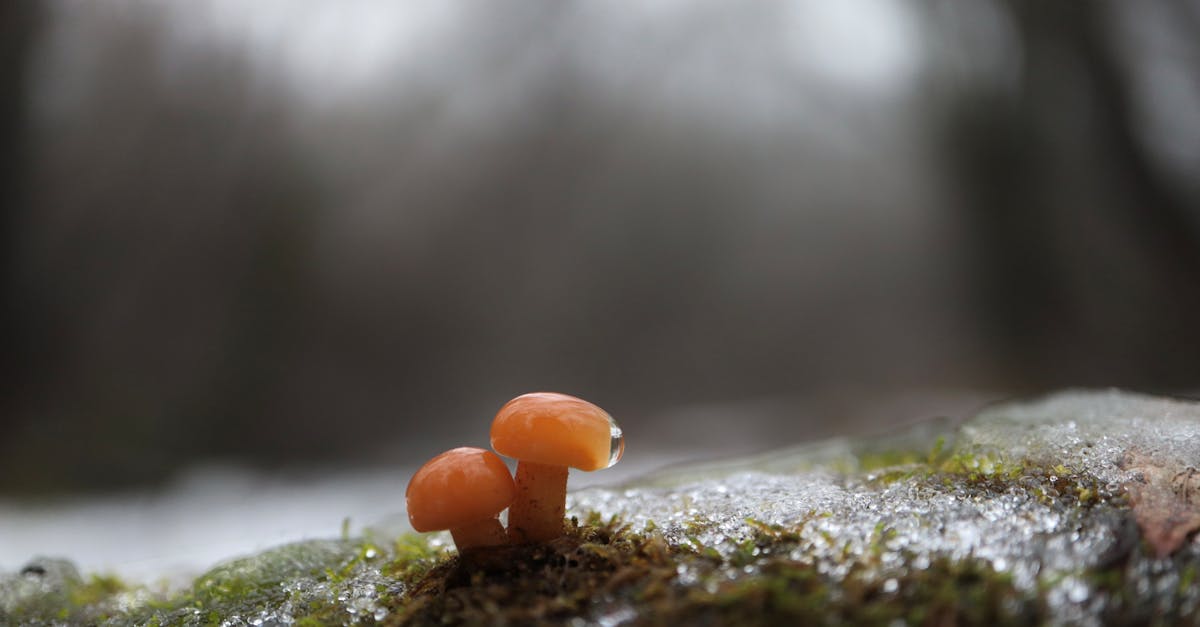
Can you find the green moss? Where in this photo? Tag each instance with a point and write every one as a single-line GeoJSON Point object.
{"type": "Point", "coordinates": [96, 589]}
{"type": "Point", "coordinates": [54, 592]}
{"type": "Point", "coordinates": [785, 592]}
{"type": "Point", "coordinates": [868, 462]}
{"type": "Point", "coordinates": [985, 469]}
{"type": "Point", "coordinates": [1128, 605]}
{"type": "Point", "coordinates": [603, 569]}
{"type": "Point", "coordinates": [609, 570]}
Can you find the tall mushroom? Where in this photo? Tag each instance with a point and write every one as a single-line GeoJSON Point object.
{"type": "Point", "coordinates": [463, 490]}
{"type": "Point", "coordinates": [548, 433]}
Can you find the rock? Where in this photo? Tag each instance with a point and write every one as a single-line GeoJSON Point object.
{"type": "Point", "coordinates": [1038, 491]}
{"type": "Point", "coordinates": [1075, 508]}
{"type": "Point", "coordinates": [41, 587]}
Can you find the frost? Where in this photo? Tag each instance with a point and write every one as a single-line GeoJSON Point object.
{"type": "Point", "coordinates": [1052, 497]}
{"type": "Point", "coordinates": [1038, 490]}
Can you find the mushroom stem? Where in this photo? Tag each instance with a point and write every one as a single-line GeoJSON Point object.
{"type": "Point", "coordinates": [537, 513]}
{"type": "Point", "coordinates": [487, 532]}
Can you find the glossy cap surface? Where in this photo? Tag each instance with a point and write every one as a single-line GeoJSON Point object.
{"type": "Point", "coordinates": [458, 487]}
{"type": "Point", "coordinates": [558, 430]}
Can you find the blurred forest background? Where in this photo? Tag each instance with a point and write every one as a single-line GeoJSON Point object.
{"type": "Point", "coordinates": [346, 232]}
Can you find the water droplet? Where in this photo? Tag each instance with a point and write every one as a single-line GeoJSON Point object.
{"type": "Point", "coordinates": [616, 447]}
{"type": "Point", "coordinates": [1077, 591]}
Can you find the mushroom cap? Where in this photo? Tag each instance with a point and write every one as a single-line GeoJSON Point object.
{"type": "Point", "coordinates": [461, 486]}
{"type": "Point", "coordinates": [557, 430]}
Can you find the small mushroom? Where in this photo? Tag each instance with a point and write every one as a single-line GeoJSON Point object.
{"type": "Point", "coordinates": [548, 433]}
{"type": "Point", "coordinates": [463, 490]}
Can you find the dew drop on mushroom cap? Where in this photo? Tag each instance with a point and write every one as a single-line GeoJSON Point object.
{"type": "Point", "coordinates": [557, 429]}
{"type": "Point", "coordinates": [548, 432]}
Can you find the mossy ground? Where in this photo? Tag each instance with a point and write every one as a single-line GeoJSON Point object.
{"type": "Point", "coordinates": [604, 571]}
{"type": "Point", "coordinates": [599, 571]}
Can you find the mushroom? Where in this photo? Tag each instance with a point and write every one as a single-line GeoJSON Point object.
{"type": "Point", "coordinates": [548, 432]}
{"type": "Point", "coordinates": [463, 490]}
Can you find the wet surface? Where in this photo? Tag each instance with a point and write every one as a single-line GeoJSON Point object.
{"type": "Point", "coordinates": [1036, 492]}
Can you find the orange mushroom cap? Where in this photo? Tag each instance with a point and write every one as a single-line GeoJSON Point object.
{"type": "Point", "coordinates": [557, 430]}
{"type": "Point", "coordinates": [461, 486]}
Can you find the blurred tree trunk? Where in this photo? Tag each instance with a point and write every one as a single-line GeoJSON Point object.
{"type": "Point", "coordinates": [18, 21]}
{"type": "Point", "coordinates": [1086, 258]}
{"type": "Point", "coordinates": [1162, 212]}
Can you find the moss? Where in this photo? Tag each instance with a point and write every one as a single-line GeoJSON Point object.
{"type": "Point", "coordinates": [988, 470]}
{"type": "Point", "coordinates": [259, 584]}
{"type": "Point", "coordinates": [55, 594]}
{"type": "Point", "coordinates": [550, 582]}
{"type": "Point", "coordinates": [946, 592]}
{"type": "Point", "coordinates": [598, 572]}
{"type": "Point", "coordinates": [96, 589]}
{"type": "Point", "coordinates": [1126, 604]}
{"type": "Point", "coordinates": [605, 571]}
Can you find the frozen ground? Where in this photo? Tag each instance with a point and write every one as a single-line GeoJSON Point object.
{"type": "Point", "coordinates": [1077, 508]}
{"type": "Point", "coordinates": [213, 513]}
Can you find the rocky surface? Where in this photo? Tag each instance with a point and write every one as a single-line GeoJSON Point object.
{"type": "Point", "coordinates": [1073, 508]}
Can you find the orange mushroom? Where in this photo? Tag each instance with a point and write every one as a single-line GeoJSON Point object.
{"type": "Point", "coordinates": [463, 490]}
{"type": "Point", "coordinates": [547, 433]}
